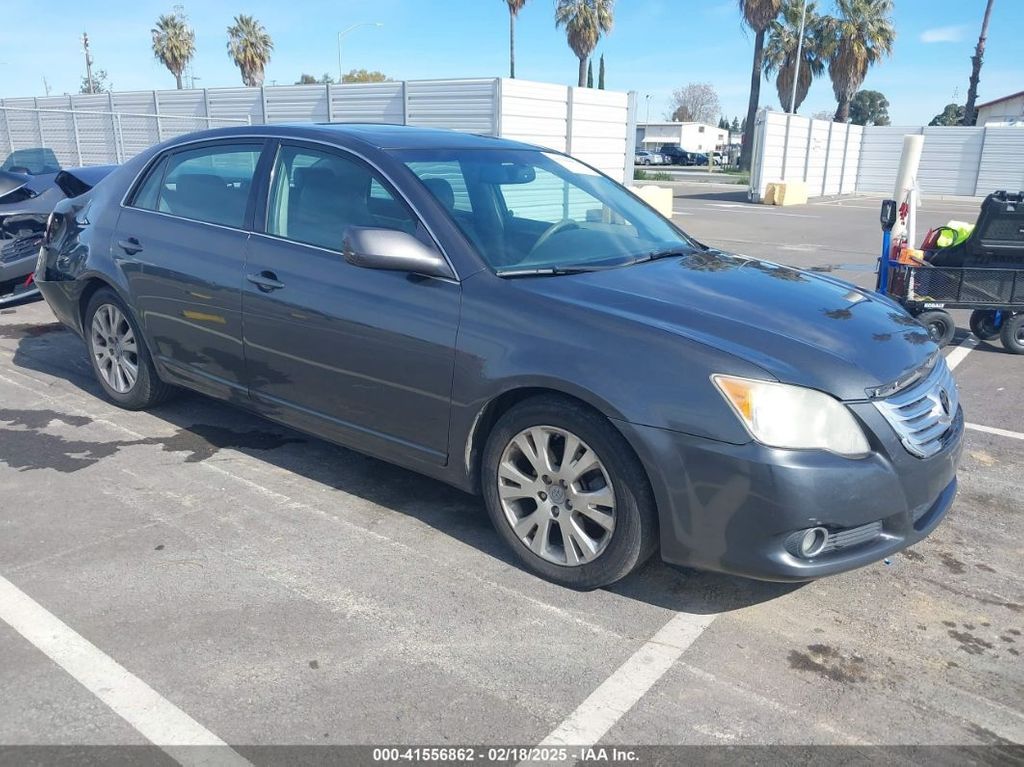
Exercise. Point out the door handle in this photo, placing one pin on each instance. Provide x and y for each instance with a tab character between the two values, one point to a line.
265	281
131	246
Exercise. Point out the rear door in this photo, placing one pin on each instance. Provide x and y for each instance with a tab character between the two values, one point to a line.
181	242
361	356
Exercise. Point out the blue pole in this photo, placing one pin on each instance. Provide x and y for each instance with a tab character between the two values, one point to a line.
883	262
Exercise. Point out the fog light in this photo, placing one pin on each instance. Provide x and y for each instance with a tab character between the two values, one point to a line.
813	542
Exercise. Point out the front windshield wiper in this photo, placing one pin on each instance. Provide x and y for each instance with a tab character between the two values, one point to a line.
654	255
552	271
548	271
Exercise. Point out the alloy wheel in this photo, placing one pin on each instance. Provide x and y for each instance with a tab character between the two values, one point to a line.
114	348
556	495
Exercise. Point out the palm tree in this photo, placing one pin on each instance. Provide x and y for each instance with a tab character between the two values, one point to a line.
780	51
174	44
979	53
584	21
757	14
250	47
862	35
514	7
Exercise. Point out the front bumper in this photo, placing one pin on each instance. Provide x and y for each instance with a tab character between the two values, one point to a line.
732	508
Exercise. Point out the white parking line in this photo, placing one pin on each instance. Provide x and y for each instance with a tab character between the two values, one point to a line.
994	430
959	354
620	692
156	718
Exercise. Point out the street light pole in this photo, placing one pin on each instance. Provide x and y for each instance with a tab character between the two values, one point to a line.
799	55
341	36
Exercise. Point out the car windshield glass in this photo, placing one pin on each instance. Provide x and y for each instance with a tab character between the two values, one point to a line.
532	210
36	162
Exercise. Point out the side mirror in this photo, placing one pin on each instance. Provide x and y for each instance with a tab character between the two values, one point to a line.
392	250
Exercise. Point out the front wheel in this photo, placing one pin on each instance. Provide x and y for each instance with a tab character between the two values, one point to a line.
940	326
567	494
1012	334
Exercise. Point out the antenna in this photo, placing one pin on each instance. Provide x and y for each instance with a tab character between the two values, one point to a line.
88	64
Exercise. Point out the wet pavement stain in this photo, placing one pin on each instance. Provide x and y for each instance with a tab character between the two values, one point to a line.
830	663
30	330
969	643
24	446
203	441
40	419
952	564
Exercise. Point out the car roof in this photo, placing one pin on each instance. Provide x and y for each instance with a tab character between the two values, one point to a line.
379	136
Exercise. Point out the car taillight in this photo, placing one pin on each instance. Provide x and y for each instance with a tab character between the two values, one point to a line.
55	226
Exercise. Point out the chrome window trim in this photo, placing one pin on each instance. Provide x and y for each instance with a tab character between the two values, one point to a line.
284	138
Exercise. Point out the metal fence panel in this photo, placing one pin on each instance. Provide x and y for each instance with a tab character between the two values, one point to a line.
236	103
1002	161
368	103
598	127
950	161
107	128
462	105
880	157
297	103
535	113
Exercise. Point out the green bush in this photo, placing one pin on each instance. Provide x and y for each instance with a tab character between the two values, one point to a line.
647	175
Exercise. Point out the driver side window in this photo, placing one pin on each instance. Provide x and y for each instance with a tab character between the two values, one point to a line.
315	196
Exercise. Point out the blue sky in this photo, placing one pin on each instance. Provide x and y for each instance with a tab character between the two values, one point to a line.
657	45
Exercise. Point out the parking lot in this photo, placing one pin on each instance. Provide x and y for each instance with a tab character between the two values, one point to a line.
194	574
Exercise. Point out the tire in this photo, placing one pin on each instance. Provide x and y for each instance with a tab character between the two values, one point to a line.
116	347
602	555
983	324
1012	334
940	325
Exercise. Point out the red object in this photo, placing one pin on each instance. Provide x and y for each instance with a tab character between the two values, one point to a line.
30	280
904	211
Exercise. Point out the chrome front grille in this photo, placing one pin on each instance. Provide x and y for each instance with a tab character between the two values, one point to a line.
923	414
853	536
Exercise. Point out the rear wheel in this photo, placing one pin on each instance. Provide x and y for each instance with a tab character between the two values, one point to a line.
1012	334
940	325
983	324
567	494
119	356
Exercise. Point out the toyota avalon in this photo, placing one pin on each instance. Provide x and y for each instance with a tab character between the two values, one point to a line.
509	320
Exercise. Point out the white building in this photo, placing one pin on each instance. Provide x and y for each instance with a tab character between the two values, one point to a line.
1008	110
693	137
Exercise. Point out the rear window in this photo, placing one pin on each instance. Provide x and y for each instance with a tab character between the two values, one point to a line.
36	161
210	184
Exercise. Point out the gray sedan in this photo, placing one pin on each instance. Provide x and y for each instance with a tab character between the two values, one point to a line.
507	319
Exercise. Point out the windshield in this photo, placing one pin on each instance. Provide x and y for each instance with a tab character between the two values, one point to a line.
534	210
35	162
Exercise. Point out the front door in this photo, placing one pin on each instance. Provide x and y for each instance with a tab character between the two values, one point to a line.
362	356
181	243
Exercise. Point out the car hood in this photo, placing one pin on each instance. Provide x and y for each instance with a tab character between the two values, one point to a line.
800	327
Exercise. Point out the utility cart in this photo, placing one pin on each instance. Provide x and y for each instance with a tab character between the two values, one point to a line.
984	273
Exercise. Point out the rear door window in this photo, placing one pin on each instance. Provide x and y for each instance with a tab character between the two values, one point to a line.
210	184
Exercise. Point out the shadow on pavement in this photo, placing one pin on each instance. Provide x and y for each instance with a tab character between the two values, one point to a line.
205	426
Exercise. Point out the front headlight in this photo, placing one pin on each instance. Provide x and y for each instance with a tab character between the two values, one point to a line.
780	415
